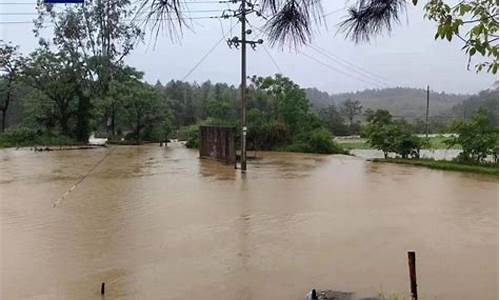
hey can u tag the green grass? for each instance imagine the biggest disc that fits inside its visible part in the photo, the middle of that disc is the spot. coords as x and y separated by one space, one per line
444 165
355 145
435 143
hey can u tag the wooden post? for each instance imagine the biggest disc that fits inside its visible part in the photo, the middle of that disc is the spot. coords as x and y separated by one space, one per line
102 288
413 275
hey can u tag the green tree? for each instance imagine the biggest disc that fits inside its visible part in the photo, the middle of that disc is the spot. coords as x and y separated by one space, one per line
288 101
474 22
477 138
333 119
10 69
57 80
350 109
142 108
387 135
98 36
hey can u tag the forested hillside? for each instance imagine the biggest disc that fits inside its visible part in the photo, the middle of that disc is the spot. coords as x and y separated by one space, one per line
401 102
486 101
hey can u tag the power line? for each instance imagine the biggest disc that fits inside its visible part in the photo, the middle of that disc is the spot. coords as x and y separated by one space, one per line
272 59
338 70
164 19
361 69
349 67
372 82
36 14
204 57
267 51
135 2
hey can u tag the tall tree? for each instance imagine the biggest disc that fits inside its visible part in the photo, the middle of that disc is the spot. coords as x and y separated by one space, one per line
334 120
10 67
99 35
350 109
57 81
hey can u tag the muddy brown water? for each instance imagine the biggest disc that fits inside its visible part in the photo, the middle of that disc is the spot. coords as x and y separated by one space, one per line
157 223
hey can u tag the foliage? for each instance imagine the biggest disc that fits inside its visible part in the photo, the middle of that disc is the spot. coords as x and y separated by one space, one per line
57 80
485 101
22 137
334 120
10 69
95 37
387 135
350 109
479 20
192 136
472 21
319 140
478 139
141 109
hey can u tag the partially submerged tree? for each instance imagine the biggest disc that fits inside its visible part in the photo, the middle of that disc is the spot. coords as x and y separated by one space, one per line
58 88
98 35
477 138
388 135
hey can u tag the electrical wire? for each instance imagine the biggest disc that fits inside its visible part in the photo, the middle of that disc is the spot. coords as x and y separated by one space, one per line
339 70
344 61
204 57
272 59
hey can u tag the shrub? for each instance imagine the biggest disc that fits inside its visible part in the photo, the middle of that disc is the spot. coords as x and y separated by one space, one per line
268 135
22 137
318 140
477 138
18 137
192 136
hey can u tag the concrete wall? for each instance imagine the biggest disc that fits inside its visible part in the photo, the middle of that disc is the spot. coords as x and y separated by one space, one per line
218 143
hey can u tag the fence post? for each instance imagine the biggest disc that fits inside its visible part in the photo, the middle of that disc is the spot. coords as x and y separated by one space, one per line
413 275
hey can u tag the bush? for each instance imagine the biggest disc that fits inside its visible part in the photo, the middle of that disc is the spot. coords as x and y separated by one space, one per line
17 137
192 136
267 136
23 137
318 140
477 138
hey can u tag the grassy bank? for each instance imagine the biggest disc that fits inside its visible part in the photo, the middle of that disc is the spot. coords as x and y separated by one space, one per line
444 165
435 143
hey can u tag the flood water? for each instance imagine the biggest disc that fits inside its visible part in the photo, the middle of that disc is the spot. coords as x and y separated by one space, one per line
158 223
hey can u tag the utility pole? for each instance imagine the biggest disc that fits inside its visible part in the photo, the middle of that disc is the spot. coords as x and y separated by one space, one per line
243 20
245 8
427 115
463 105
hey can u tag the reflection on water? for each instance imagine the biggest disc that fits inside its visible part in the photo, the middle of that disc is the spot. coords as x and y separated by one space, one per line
158 223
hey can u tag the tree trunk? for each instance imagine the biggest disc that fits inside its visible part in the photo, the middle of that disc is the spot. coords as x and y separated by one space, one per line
113 117
4 120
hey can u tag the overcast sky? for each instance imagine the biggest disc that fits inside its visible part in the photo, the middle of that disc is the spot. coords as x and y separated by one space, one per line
409 56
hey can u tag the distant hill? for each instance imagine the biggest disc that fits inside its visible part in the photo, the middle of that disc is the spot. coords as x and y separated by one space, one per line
486 101
403 102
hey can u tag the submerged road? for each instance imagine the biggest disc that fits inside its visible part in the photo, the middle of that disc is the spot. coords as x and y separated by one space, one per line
158 223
